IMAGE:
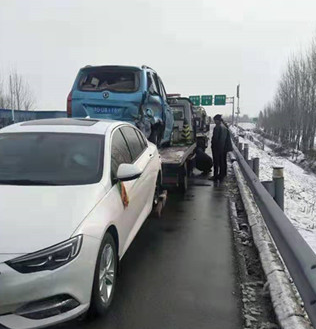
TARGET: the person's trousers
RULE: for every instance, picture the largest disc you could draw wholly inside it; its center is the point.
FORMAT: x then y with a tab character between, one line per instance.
220	164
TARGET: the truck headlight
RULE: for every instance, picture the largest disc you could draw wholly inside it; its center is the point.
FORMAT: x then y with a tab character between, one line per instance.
48	259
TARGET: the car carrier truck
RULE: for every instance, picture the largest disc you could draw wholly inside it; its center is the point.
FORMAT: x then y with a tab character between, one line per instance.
178	159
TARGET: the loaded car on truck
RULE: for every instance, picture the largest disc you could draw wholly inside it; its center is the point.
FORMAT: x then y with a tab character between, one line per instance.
184	126
126	93
202	127
178	159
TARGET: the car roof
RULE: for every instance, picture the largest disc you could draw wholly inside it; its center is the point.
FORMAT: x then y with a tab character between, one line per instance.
66	125
138	68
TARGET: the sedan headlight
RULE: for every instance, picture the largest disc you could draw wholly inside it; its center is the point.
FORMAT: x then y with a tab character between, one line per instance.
48	259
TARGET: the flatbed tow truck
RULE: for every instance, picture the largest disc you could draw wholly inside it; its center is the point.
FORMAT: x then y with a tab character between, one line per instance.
178	160
177	165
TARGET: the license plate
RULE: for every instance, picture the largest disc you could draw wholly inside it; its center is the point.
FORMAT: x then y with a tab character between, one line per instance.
106	110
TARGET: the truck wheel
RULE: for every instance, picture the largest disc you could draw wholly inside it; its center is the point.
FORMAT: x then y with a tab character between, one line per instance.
104	277
157	204
183	178
158	190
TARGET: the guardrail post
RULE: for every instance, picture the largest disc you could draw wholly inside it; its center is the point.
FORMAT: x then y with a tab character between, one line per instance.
246	151
298	256
269	186
256	166
278	179
250	163
240	146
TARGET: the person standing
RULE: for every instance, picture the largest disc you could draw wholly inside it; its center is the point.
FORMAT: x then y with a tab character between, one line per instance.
221	144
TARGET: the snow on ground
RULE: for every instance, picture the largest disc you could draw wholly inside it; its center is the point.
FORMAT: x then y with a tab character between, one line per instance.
247	125
299	194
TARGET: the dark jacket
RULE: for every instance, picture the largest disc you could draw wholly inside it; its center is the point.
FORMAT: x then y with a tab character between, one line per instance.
220	133
221	140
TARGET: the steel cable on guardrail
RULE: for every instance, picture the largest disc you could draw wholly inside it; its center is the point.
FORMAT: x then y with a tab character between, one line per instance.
298	257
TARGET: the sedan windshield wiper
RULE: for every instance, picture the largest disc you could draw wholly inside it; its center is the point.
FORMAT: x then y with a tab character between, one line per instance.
25	182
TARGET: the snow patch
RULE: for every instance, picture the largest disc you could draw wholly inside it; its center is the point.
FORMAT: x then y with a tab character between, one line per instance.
299	193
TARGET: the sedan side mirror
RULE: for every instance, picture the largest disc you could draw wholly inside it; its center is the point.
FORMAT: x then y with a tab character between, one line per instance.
128	171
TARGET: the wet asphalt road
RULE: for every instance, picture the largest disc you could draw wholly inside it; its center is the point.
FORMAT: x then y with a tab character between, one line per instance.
179	272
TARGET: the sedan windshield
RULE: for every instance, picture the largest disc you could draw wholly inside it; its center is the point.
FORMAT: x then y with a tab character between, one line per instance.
50	158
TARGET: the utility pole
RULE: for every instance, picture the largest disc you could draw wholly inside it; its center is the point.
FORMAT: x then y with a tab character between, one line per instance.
238	109
233	112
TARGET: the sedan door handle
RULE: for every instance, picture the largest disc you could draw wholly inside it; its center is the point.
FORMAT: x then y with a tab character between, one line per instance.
151	155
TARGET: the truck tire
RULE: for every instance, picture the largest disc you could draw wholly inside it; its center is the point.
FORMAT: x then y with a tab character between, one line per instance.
157	206
183	178
158	190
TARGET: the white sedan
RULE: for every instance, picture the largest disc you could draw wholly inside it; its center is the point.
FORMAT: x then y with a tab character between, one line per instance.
73	195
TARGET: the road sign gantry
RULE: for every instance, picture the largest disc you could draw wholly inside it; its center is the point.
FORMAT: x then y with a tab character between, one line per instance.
207	100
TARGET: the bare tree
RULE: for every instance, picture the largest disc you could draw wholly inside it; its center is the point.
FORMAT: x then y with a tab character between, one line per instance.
4	100
291	118
20	95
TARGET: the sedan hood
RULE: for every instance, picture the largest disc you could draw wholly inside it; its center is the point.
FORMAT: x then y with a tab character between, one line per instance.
36	217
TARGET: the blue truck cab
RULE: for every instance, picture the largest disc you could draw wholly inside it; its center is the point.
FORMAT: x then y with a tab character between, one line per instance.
126	93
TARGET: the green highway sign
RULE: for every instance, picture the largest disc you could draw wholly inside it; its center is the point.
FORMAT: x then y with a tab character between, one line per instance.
220	100
207	100
196	100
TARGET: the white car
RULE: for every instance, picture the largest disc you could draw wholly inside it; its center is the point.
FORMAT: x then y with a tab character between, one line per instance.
73	195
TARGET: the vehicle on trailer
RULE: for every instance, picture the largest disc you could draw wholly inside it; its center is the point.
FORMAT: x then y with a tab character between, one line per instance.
184	127
84	188
178	159
202	127
126	93
208	121
200	118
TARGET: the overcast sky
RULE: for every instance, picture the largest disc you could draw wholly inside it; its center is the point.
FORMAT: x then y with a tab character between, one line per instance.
196	46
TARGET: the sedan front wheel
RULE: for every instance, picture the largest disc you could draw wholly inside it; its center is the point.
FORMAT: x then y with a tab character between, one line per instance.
104	277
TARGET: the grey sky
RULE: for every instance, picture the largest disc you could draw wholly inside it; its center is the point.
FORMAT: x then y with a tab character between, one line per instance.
196	46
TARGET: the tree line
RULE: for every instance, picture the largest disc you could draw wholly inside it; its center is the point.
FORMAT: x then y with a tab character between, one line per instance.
15	93
290	118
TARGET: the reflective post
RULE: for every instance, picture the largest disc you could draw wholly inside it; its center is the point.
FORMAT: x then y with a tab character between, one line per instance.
246	151
278	179
269	186
250	163
256	166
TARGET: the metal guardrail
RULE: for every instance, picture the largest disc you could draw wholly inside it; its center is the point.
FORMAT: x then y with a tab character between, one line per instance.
299	258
